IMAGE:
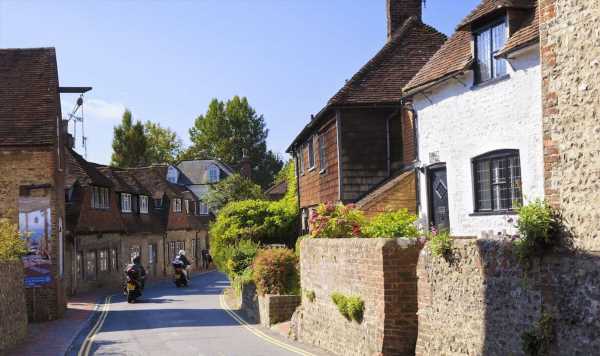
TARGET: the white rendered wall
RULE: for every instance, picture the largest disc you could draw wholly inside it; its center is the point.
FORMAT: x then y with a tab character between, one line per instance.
464	122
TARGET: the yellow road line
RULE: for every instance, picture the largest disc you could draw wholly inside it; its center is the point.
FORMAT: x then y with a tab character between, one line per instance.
89	339
259	333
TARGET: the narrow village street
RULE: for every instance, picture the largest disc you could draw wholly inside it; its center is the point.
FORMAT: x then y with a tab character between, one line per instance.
172	321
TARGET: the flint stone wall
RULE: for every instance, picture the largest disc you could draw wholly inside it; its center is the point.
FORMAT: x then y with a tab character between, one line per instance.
13	308
382	272
481	301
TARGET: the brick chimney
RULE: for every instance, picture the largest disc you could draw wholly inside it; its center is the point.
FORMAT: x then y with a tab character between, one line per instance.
398	11
245	166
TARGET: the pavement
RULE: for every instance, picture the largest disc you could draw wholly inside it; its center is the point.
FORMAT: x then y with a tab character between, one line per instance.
179	321
53	338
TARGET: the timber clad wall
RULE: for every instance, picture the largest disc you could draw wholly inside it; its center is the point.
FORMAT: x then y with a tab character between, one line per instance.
364	151
570	32
316	187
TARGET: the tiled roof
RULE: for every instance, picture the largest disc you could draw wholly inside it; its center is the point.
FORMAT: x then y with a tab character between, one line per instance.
78	169
487	7
123	181
277	191
154	179
29	99
456	55
527	34
381	80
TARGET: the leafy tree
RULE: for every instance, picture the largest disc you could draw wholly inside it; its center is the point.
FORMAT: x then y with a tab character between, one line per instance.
229	130
129	143
233	188
163	145
12	245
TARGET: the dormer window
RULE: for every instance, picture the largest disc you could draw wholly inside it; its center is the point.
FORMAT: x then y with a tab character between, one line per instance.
186	204
488	41
143	204
100	198
213	174
176	205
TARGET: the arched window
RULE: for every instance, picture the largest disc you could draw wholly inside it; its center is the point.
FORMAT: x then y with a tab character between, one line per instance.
497	180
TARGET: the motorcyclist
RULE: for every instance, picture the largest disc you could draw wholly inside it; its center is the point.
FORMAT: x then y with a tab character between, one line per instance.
186	263
136	272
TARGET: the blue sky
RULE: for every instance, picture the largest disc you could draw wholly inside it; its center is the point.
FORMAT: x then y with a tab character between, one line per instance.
165	60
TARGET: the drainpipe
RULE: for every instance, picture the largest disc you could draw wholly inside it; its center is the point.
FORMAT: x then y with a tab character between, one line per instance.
417	154
297	169
165	254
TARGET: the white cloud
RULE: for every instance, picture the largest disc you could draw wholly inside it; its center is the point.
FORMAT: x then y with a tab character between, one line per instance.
98	109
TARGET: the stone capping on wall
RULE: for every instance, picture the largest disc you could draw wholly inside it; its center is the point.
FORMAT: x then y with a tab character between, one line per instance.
382	272
13	308
482	300
268	309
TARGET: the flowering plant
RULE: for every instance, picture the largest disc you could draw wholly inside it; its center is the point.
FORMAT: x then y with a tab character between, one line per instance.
336	221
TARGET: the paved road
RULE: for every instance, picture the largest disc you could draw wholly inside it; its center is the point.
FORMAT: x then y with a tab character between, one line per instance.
171	321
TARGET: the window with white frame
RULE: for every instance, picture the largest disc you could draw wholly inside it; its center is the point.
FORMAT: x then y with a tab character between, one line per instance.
177	205
488	41
213	174
186	204
143	204
497	180
203	208
126	203
311	154
301	160
103	260
100	198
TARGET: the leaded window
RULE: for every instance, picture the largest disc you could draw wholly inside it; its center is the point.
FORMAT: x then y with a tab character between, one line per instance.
497	178
488	41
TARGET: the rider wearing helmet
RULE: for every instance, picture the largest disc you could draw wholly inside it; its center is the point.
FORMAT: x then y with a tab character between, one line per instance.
181	257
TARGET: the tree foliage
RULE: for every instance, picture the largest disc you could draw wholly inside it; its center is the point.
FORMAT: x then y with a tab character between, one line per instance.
232	188
12	245
129	143
229	130
163	145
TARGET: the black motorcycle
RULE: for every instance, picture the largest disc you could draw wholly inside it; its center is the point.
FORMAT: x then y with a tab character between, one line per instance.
134	284
179	277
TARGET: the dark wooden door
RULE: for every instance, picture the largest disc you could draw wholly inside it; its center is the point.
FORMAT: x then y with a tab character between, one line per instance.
438	198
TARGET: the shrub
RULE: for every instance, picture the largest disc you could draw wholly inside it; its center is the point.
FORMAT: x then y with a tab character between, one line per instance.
536	342
535	224
351	307
276	272
241	257
336	221
12	245
238	282
392	224
440	243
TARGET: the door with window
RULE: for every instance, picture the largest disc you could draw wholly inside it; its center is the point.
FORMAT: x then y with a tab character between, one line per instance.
438	198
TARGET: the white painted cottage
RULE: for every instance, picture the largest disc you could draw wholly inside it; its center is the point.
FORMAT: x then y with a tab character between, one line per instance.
478	118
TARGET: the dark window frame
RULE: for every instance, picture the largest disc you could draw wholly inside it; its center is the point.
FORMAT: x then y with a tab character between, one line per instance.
514	182
478	31
311	154
322	152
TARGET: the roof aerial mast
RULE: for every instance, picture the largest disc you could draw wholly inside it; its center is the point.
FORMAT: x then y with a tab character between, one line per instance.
76	115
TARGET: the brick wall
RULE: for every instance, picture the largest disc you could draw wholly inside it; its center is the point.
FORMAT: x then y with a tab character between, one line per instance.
29	168
483	301
268	309
13	311
569	34
380	271
317	186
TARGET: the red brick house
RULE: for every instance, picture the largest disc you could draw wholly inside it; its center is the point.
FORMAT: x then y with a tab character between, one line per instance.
363	138
115	214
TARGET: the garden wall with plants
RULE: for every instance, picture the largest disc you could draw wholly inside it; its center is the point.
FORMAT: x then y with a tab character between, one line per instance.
483	298
359	295
13	310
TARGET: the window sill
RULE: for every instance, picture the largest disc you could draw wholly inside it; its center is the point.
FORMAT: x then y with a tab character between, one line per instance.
323	171
311	169
494	213
490	82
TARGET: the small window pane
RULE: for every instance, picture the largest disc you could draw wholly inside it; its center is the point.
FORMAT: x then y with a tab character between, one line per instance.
498	42
311	154
484	64
483	187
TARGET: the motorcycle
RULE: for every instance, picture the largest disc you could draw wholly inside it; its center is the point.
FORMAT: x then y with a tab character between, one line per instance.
179	277
134	285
